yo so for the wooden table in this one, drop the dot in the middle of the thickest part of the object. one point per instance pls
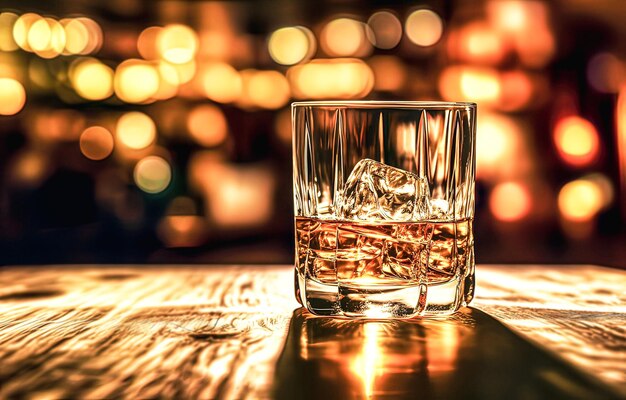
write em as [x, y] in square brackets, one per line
[237, 332]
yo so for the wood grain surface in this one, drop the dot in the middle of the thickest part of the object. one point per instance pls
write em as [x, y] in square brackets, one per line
[223, 332]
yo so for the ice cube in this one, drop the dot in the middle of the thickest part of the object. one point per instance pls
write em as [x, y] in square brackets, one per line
[376, 191]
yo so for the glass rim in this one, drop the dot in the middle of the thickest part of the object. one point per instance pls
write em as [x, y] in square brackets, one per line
[393, 104]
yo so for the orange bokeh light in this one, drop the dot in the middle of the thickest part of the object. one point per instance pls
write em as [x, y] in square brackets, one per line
[343, 37]
[576, 140]
[477, 43]
[96, 143]
[580, 200]
[390, 73]
[221, 82]
[346, 78]
[424, 27]
[510, 201]
[12, 96]
[207, 125]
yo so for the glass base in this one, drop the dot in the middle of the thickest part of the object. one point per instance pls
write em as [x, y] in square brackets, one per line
[382, 301]
[385, 302]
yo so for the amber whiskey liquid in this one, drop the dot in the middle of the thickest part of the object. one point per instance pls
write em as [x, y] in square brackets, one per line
[384, 269]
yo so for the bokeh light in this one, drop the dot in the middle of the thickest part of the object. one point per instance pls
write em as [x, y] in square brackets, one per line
[477, 84]
[207, 125]
[29, 168]
[169, 81]
[516, 90]
[147, 42]
[477, 43]
[499, 150]
[264, 89]
[7, 20]
[385, 30]
[152, 174]
[331, 78]
[424, 27]
[92, 79]
[177, 44]
[12, 96]
[282, 126]
[510, 201]
[343, 37]
[21, 27]
[96, 143]
[185, 72]
[46, 37]
[580, 200]
[57, 125]
[291, 45]
[136, 81]
[221, 82]
[576, 140]
[390, 73]
[182, 230]
[136, 130]
[605, 73]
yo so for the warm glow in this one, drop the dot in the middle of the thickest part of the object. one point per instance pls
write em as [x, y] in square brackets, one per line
[576, 140]
[386, 30]
[136, 130]
[580, 200]
[291, 45]
[152, 174]
[184, 72]
[389, 73]
[480, 85]
[478, 43]
[82, 35]
[168, 81]
[136, 81]
[620, 116]
[282, 126]
[516, 90]
[95, 35]
[605, 73]
[21, 28]
[207, 125]
[471, 84]
[7, 20]
[76, 36]
[510, 15]
[499, 151]
[510, 202]
[182, 230]
[266, 89]
[337, 78]
[12, 96]
[96, 143]
[424, 27]
[537, 49]
[237, 195]
[29, 168]
[343, 37]
[58, 125]
[177, 43]
[146, 42]
[92, 80]
[369, 363]
[221, 82]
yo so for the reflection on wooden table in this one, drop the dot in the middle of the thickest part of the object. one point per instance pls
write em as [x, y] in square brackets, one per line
[232, 332]
[470, 355]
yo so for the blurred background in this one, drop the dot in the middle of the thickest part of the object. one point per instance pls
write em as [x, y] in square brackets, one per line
[159, 131]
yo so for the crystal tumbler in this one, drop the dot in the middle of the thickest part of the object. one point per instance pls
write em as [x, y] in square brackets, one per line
[384, 205]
